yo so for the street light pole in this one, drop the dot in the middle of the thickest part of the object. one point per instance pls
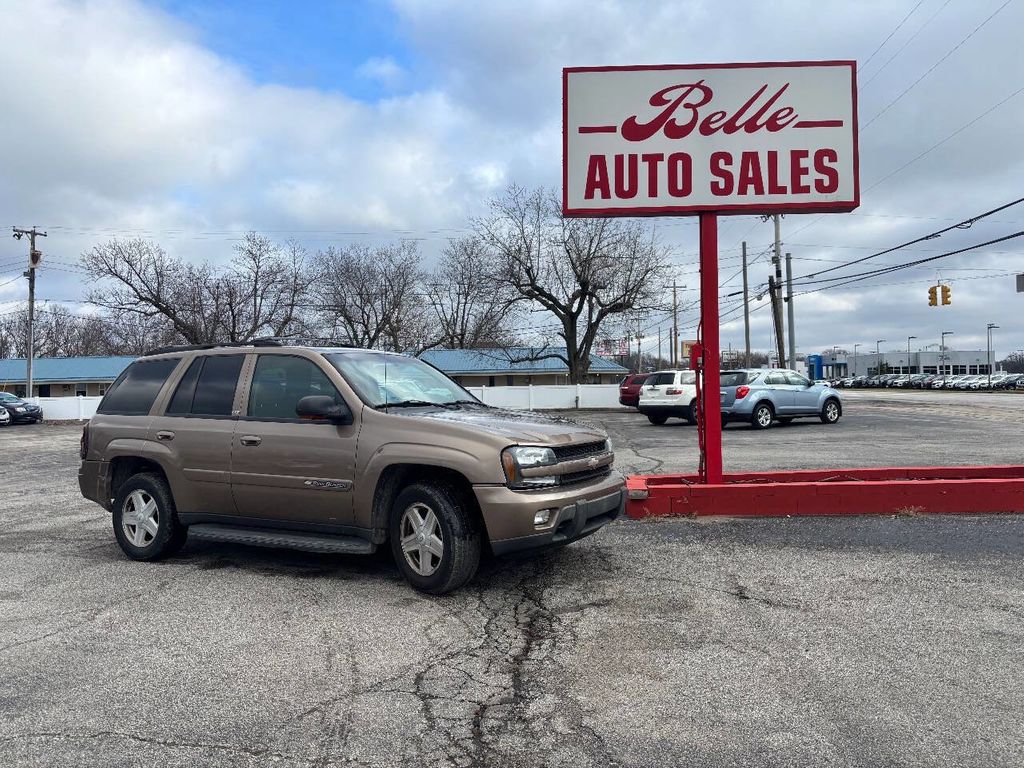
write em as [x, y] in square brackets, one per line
[878, 357]
[855, 359]
[942, 348]
[910, 368]
[990, 327]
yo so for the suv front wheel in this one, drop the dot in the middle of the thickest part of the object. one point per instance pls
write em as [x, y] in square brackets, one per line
[145, 521]
[434, 538]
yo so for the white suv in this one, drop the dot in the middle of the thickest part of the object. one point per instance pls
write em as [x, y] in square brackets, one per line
[669, 393]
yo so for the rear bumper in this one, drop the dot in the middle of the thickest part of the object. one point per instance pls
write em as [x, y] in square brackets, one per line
[632, 402]
[92, 481]
[664, 410]
[576, 512]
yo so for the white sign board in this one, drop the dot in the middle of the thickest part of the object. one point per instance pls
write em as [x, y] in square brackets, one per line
[725, 138]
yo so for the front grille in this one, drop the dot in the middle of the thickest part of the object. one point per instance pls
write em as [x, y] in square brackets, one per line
[586, 474]
[579, 451]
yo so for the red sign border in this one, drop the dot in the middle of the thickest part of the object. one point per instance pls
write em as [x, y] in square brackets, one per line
[840, 206]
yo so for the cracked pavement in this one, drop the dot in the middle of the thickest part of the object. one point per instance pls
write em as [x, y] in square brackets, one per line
[858, 642]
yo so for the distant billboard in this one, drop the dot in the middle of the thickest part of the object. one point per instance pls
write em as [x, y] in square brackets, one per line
[726, 138]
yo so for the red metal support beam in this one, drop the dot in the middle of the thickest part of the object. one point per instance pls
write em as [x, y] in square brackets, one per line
[870, 491]
[711, 405]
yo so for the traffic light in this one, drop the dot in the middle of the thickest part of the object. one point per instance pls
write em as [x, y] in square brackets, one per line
[933, 300]
[947, 295]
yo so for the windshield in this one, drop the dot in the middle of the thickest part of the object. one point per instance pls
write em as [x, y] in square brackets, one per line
[383, 379]
[8, 397]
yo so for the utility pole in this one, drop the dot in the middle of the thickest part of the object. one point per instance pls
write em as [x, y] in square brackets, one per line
[658, 364]
[674, 357]
[990, 327]
[789, 302]
[910, 368]
[746, 310]
[639, 352]
[942, 350]
[34, 258]
[855, 359]
[878, 357]
[776, 292]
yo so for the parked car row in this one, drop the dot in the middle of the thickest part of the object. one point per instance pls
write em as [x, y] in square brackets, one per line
[935, 381]
[758, 397]
[14, 410]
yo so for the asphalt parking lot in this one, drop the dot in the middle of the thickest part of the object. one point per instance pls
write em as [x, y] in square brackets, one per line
[788, 642]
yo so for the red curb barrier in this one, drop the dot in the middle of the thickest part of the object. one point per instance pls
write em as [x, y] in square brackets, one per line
[863, 491]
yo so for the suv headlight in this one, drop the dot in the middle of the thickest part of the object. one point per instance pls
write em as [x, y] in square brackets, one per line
[519, 457]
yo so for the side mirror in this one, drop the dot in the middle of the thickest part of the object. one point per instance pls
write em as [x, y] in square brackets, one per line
[323, 408]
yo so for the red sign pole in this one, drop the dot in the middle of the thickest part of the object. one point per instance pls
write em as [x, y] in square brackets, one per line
[711, 405]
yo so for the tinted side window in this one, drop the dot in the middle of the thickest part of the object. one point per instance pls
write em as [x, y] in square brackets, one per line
[688, 377]
[774, 378]
[181, 403]
[280, 381]
[215, 391]
[135, 390]
[733, 378]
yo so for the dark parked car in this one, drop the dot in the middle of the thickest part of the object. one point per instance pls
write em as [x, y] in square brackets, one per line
[629, 389]
[21, 412]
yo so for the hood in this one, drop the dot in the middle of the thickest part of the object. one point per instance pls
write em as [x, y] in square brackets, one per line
[516, 426]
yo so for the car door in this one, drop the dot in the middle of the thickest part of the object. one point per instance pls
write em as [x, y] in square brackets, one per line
[196, 428]
[779, 391]
[285, 468]
[805, 395]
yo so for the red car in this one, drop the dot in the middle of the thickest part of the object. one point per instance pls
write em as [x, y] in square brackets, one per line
[629, 389]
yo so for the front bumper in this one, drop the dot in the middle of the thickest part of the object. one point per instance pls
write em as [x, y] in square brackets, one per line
[577, 512]
[28, 417]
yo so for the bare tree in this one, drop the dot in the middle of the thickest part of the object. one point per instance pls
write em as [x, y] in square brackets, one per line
[259, 293]
[373, 297]
[474, 307]
[582, 271]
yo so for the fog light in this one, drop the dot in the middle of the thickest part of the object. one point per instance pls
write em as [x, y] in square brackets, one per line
[543, 517]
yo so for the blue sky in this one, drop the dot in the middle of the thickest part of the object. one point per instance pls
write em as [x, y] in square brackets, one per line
[305, 45]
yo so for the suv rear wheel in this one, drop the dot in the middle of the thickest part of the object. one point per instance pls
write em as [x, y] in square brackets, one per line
[145, 521]
[762, 417]
[657, 419]
[434, 538]
[691, 412]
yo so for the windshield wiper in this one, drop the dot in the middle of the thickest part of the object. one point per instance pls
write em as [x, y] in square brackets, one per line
[413, 404]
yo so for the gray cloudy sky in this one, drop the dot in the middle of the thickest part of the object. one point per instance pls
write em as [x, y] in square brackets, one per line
[365, 122]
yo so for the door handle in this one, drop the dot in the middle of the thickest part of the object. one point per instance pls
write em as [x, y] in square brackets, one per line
[250, 440]
[165, 435]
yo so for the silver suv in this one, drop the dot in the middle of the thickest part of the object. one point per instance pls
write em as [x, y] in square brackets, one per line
[760, 397]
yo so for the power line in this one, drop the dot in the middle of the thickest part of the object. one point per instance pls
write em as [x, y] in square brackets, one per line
[931, 69]
[965, 224]
[886, 270]
[907, 42]
[889, 36]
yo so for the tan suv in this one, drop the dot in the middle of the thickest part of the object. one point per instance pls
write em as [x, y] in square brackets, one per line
[333, 449]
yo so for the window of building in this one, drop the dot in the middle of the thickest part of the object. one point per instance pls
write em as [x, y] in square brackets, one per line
[931, 369]
[134, 391]
[280, 381]
[103, 389]
[81, 390]
[508, 381]
[490, 381]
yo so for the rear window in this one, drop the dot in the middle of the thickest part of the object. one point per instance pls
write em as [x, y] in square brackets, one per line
[134, 391]
[208, 387]
[733, 378]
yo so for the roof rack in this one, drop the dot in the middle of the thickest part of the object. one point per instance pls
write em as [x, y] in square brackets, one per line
[265, 341]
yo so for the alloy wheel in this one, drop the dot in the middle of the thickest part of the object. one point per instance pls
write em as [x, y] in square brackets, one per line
[421, 539]
[140, 518]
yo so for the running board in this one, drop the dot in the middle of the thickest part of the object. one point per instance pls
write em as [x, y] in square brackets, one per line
[267, 537]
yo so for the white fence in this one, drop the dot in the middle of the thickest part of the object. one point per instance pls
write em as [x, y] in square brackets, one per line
[530, 398]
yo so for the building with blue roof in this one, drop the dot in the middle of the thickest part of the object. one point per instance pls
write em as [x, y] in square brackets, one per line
[62, 376]
[519, 366]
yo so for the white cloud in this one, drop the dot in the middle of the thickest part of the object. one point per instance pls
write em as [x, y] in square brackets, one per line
[382, 69]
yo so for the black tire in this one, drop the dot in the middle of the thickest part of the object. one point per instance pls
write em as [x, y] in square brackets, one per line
[758, 420]
[460, 537]
[831, 411]
[691, 413]
[724, 422]
[657, 419]
[170, 533]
